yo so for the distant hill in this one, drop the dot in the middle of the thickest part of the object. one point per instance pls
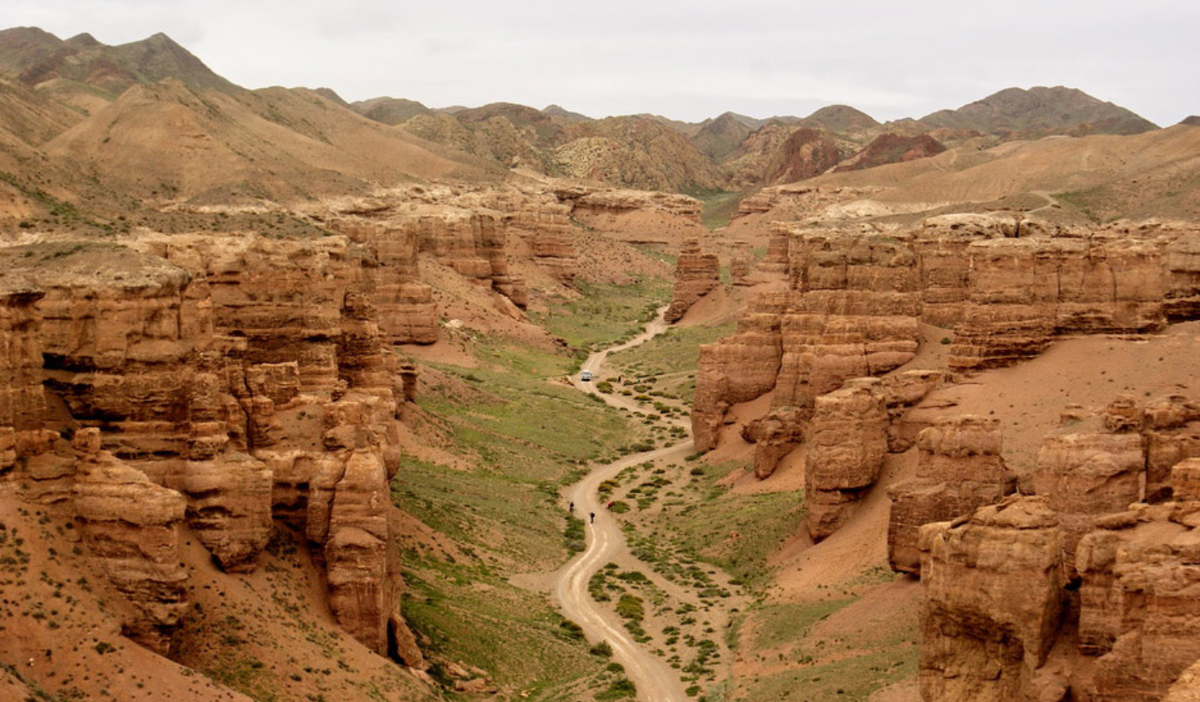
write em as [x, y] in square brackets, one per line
[556, 111]
[332, 96]
[169, 140]
[720, 137]
[35, 57]
[1193, 121]
[390, 110]
[840, 119]
[804, 154]
[892, 148]
[1040, 112]
[635, 152]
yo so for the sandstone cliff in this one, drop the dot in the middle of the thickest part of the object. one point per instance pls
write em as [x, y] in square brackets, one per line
[696, 274]
[191, 373]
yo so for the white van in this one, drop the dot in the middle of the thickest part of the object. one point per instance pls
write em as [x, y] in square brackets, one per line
[585, 376]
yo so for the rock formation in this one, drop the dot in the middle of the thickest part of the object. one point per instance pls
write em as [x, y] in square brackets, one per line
[1007, 284]
[742, 264]
[995, 611]
[22, 400]
[1024, 291]
[196, 371]
[993, 600]
[847, 445]
[696, 274]
[737, 369]
[129, 525]
[959, 469]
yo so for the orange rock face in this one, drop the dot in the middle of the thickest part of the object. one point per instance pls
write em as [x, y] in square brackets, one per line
[959, 469]
[993, 600]
[696, 274]
[221, 381]
[129, 525]
[847, 445]
[737, 369]
[1132, 564]
[22, 400]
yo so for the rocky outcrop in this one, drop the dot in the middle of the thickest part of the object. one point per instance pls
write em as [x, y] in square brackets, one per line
[959, 469]
[1125, 572]
[853, 313]
[847, 445]
[1024, 291]
[940, 244]
[222, 381]
[1087, 475]
[22, 400]
[592, 201]
[1138, 596]
[774, 436]
[892, 148]
[993, 600]
[739, 368]
[696, 274]
[130, 525]
[1171, 427]
[741, 265]
[776, 258]
[1182, 261]
[406, 311]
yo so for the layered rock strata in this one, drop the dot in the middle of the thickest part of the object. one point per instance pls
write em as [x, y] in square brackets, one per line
[959, 469]
[1007, 284]
[696, 274]
[739, 368]
[847, 446]
[22, 400]
[1125, 570]
[221, 381]
[741, 265]
[1025, 291]
[130, 527]
[993, 599]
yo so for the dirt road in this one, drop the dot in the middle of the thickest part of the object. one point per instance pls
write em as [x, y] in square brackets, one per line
[655, 680]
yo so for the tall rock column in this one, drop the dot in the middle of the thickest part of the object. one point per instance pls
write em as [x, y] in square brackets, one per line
[993, 600]
[959, 469]
[22, 400]
[848, 442]
[696, 274]
[130, 527]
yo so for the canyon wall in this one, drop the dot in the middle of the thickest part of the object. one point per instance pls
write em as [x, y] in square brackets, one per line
[217, 381]
[1089, 592]
[1006, 284]
[696, 274]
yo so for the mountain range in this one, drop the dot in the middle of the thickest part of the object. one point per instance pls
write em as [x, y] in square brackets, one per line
[150, 120]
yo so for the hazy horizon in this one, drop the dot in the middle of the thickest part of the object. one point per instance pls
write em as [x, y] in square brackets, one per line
[684, 62]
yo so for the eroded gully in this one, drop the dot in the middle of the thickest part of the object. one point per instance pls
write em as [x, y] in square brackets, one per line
[655, 680]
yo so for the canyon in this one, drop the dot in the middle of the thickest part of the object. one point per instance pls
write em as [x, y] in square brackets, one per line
[289, 397]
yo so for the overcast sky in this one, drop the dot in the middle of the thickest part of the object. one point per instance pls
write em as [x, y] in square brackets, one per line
[684, 60]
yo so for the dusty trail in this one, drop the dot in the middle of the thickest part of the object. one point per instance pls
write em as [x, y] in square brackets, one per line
[655, 680]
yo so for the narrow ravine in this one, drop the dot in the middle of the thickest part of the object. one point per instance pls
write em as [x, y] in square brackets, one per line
[655, 680]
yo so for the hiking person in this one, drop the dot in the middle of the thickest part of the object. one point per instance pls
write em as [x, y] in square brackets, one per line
[571, 508]
[593, 517]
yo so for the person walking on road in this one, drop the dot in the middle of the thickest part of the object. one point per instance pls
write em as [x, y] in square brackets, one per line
[592, 515]
[571, 508]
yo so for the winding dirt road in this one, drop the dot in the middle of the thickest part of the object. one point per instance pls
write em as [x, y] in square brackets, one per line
[655, 680]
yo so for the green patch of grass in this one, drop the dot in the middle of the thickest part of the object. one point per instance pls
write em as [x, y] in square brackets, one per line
[853, 677]
[606, 314]
[785, 623]
[669, 359]
[472, 615]
[719, 208]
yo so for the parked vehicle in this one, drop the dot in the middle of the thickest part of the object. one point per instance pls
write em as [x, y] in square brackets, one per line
[586, 376]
